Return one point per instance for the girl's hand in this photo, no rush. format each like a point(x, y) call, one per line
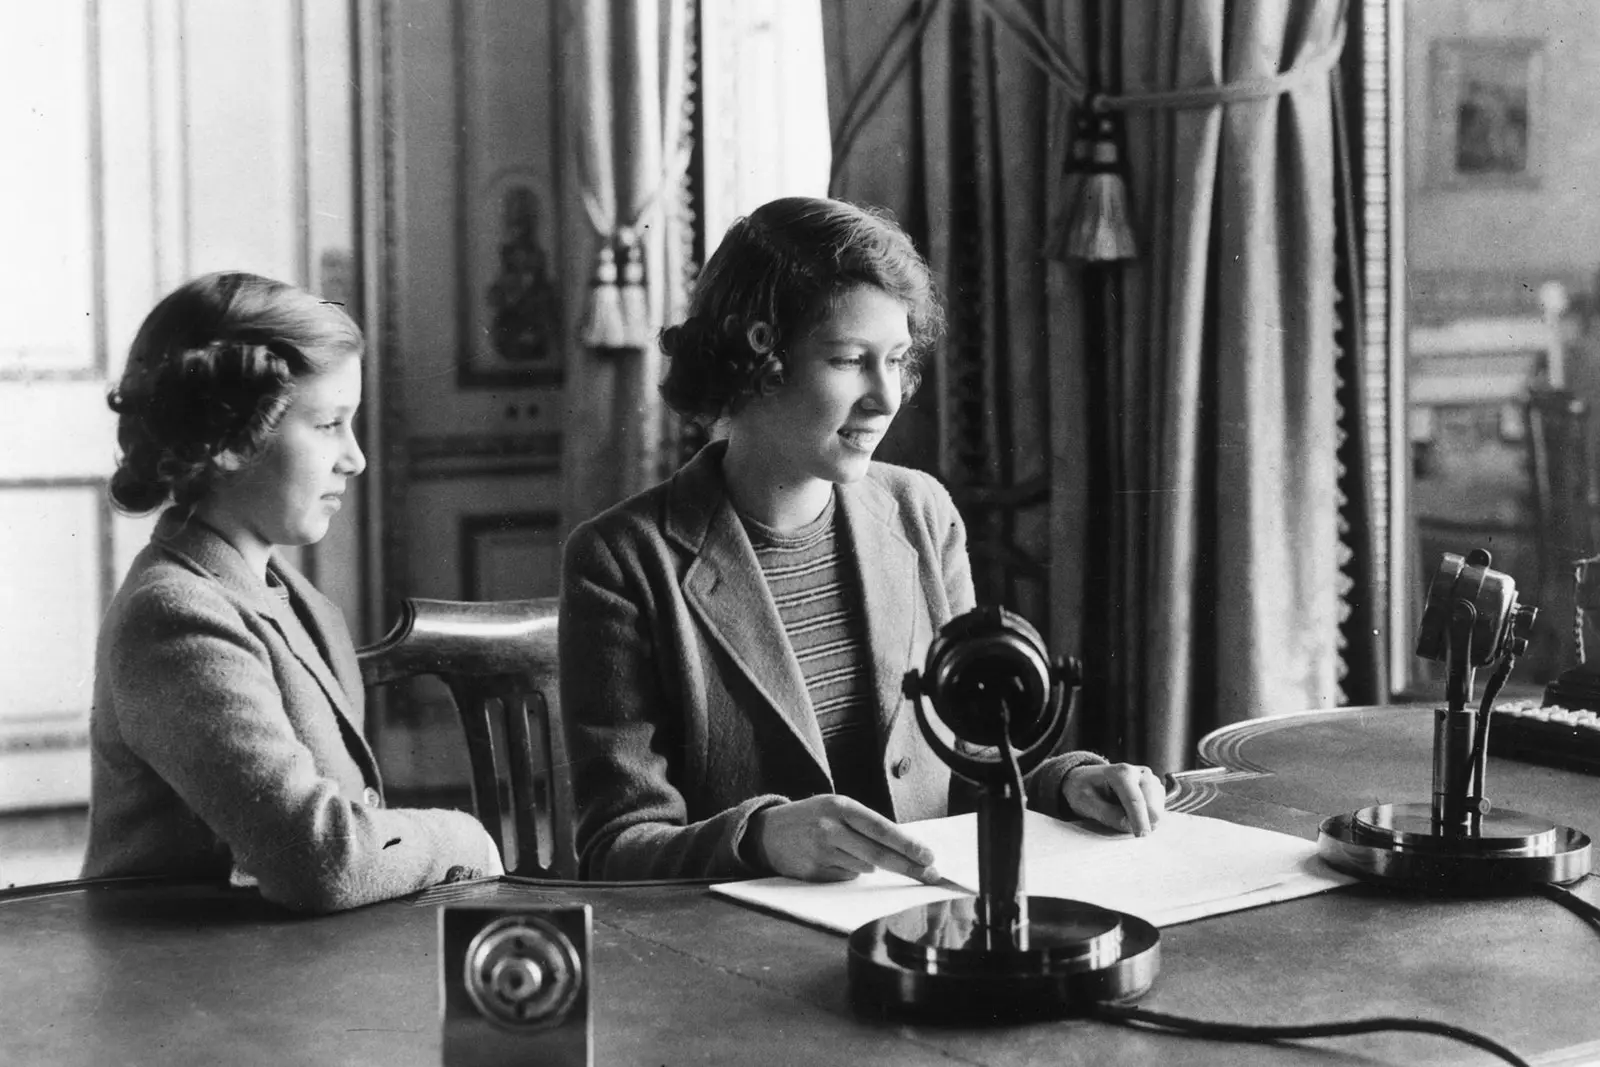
point(830, 838)
point(1122, 796)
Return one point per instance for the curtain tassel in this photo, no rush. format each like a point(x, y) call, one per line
point(1097, 225)
point(635, 300)
point(604, 326)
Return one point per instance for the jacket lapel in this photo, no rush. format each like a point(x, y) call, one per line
point(320, 657)
point(212, 553)
point(886, 568)
point(724, 587)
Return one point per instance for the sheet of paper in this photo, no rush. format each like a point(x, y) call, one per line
point(1191, 867)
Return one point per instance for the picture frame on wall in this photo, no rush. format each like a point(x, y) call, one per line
point(1487, 110)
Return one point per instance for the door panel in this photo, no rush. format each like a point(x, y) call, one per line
point(161, 139)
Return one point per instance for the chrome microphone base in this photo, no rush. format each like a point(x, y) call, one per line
point(1397, 844)
point(932, 962)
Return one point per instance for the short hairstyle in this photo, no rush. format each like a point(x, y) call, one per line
point(209, 376)
point(775, 277)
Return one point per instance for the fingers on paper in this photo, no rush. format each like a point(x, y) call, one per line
point(873, 839)
point(1134, 796)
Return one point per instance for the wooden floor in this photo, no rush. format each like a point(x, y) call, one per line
point(41, 846)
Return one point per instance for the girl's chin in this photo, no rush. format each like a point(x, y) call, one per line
point(851, 468)
point(309, 533)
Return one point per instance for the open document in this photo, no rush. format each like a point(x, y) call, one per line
point(1190, 867)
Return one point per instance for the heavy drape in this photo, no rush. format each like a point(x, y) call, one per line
point(1223, 590)
point(627, 90)
point(1230, 579)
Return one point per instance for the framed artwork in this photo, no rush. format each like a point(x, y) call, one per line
point(1487, 113)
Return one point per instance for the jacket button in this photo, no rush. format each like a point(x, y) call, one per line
point(370, 797)
point(902, 767)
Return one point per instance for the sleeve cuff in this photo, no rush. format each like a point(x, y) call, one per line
point(1048, 785)
point(743, 842)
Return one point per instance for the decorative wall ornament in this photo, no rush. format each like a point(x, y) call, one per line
point(507, 186)
point(510, 304)
point(524, 315)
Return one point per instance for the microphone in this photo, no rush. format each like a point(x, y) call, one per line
point(1460, 842)
point(1005, 704)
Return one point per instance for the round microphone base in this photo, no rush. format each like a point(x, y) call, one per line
point(934, 962)
point(1397, 844)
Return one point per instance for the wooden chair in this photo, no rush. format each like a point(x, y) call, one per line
point(496, 658)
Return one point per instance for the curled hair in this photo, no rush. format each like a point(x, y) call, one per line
point(209, 376)
point(775, 277)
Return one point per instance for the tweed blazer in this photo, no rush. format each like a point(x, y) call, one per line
point(686, 710)
point(224, 745)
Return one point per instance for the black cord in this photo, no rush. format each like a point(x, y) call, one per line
point(1572, 902)
point(1130, 1016)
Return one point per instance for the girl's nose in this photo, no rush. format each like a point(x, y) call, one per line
point(883, 390)
point(353, 461)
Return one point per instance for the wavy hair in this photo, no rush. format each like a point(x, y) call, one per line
point(775, 277)
point(209, 376)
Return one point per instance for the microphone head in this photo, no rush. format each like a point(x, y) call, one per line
point(986, 667)
point(1501, 625)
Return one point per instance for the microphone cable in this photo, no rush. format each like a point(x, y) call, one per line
point(1138, 1018)
point(1571, 901)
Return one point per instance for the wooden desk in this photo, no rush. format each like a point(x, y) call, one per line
point(173, 975)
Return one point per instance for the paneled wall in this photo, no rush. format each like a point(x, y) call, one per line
point(472, 289)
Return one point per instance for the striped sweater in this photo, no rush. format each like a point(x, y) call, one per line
point(822, 616)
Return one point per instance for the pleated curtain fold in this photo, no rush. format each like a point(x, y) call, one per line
point(1230, 576)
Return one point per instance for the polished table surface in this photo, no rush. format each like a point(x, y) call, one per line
point(147, 972)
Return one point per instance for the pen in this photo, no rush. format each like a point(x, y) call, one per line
point(939, 881)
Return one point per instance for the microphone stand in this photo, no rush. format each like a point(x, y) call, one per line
point(1002, 902)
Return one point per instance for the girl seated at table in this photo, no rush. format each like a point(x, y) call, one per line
point(733, 639)
point(226, 733)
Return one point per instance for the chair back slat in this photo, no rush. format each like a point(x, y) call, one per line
point(531, 750)
point(499, 661)
point(475, 710)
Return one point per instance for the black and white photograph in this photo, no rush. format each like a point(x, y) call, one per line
point(766, 532)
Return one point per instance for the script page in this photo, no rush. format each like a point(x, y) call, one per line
point(1190, 867)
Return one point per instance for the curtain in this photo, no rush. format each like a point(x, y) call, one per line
point(1229, 579)
point(955, 148)
point(1173, 479)
point(627, 103)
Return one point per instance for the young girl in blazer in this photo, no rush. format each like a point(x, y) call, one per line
point(733, 639)
point(227, 728)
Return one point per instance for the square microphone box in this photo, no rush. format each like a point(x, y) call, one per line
point(514, 985)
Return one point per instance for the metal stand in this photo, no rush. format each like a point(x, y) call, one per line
point(1002, 954)
point(1459, 843)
